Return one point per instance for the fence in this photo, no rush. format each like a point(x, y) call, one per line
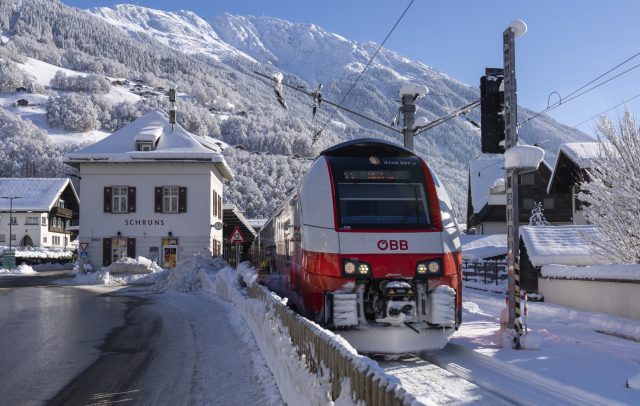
point(485, 271)
point(328, 358)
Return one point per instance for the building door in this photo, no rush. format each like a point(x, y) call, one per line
point(118, 249)
point(26, 241)
point(169, 256)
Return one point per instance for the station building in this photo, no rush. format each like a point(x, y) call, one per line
point(150, 189)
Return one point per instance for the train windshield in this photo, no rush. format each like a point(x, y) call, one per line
point(376, 192)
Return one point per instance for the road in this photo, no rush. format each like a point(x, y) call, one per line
point(68, 346)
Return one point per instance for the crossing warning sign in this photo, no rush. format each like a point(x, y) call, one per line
point(236, 236)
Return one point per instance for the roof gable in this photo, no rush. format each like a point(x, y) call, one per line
point(578, 155)
point(36, 194)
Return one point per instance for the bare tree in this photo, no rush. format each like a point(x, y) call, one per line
point(611, 197)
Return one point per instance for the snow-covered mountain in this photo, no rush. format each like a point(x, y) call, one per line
point(211, 62)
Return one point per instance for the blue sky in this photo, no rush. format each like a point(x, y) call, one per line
point(569, 42)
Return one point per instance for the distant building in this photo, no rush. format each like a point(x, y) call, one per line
point(486, 206)
point(570, 171)
point(152, 189)
point(42, 214)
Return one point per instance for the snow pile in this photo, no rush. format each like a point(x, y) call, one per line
point(106, 278)
point(191, 274)
point(483, 246)
point(413, 90)
point(630, 272)
point(634, 382)
point(523, 157)
point(296, 383)
point(140, 265)
point(20, 270)
point(442, 309)
point(40, 252)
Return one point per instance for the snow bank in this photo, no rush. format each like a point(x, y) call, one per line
point(523, 157)
point(630, 272)
point(191, 274)
point(140, 265)
point(105, 277)
point(40, 252)
point(634, 382)
point(20, 270)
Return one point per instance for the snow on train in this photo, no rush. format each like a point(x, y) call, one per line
point(367, 246)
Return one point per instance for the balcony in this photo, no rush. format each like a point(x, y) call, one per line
point(62, 212)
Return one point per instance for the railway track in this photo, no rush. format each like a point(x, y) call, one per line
point(466, 377)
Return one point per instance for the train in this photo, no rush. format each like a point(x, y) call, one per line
point(367, 246)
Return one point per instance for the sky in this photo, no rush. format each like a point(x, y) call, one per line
point(568, 44)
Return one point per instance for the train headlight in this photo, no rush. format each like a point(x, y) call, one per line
point(355, 269)
point(349, 267)
point(363, 269)
point(429, 268)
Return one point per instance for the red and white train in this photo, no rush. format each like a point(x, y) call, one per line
point(367, 246)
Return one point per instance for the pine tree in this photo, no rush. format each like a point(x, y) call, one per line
point(537, 216)
point(612, 196)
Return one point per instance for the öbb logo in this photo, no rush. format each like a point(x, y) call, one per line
point(393, 245)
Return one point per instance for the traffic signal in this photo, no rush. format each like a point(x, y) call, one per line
point(491, 111)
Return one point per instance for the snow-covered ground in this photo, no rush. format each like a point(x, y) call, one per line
point(582, 355)
point(19, 270)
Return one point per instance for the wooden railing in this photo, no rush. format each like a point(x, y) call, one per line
point(484, 271)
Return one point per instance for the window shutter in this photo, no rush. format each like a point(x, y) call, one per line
point(106, 251)
point(158, 199)
point(131, 247)
point(215, 204)
point(107, 199)
point(131, 199)
point(220, 207)
point(182, 200)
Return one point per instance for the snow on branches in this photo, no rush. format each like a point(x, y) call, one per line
point(537, 216)
point(611, 197)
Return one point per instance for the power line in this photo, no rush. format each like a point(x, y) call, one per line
point(365, 68)
point(573, 95)
point(606, 111)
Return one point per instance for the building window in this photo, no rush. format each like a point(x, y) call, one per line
point(120, 194)
point(144, 146)
point(170, 199)
point(13, 237)
point(527, 203)
point(44, 240)
point(60, 203)
point(14, 221)
point(44, 221)
point(549, 203)
point(31, 221)
point(527, 179)
point(3, 238)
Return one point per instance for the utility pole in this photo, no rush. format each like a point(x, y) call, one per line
point(511, 140)
point(9, 258)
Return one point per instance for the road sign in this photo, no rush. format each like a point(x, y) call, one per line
point(84, 246)
point(236, 236)
point(84, 254)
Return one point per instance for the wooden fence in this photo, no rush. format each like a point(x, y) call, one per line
point(485, 271)
point(324, 355)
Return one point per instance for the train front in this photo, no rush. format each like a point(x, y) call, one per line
point(387, 276)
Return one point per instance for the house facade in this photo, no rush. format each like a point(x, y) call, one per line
point(152, 189)
point(486, 206)
point(574, 159)
point(41, 213)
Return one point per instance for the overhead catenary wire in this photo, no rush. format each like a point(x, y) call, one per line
point(573, 95)
point(363, 70)
point(607, 110)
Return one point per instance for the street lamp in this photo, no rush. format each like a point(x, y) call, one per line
point(10, 215)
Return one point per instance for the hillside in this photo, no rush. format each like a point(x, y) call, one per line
point(211, 64)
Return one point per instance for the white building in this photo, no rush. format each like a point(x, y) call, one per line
point(150, 189)
point(42, 212)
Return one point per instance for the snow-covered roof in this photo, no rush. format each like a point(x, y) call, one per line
point(173, 143)
point(483, 246)
point(582, 154)
point(36, 194)
point(483, 174)
point(562, 245)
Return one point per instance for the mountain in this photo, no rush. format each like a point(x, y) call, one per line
point(212, 63)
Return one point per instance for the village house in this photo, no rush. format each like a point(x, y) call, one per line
point(574, 159)
point(41, 212)
point(486, 204)
point(150, 189)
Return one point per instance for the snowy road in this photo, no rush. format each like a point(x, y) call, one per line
point(160, 349)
